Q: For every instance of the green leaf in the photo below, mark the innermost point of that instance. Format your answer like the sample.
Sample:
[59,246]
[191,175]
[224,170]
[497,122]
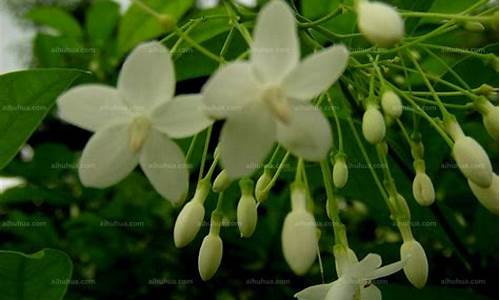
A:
[26,97]
[101,21]
[42,275]
[57,19]
[137,25]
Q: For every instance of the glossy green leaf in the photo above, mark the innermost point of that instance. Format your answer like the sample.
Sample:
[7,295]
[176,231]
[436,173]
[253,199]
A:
[137,25]
[42,275]
[26,97]
[101,21]
[57,19]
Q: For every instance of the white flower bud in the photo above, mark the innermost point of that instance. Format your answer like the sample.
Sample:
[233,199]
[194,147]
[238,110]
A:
[262,182]
[188,223]
[210,256]
[391,104]
[299,238]
[340,173]
[490,121]
[221,182]
[246,214]
[415,263]
[380,23]
[487,196]
[473,161]
[423,189]
[373,125]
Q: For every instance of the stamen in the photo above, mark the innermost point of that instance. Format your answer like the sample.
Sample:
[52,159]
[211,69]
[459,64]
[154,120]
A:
[138,130]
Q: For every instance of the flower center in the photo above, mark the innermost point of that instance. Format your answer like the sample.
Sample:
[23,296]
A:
[277,102]
[138,132]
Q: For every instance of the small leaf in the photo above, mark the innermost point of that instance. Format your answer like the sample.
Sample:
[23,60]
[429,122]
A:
[57,19]
[26,97]
[42,275]
[101,21]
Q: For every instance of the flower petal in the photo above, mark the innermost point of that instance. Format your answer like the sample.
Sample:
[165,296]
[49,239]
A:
[315,292]
[246,138]
[92,106]
[384,271]
[368,264]
[182,117]
[316,73]
[275,50]
[229,89]
[107,157]
[164,164]
[342,289]
[308,134]
[147,77]
[370,292]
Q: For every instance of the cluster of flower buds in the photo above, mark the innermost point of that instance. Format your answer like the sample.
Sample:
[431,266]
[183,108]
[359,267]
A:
[299,237]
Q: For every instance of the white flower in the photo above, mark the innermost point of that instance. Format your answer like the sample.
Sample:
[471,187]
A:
[210,256]
[380,23]
[355,281]
[373,125]
[416,266]
[134,122]
[487,196]
[267,98]
[299,238]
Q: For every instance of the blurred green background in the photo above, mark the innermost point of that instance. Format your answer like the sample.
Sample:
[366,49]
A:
[120,239]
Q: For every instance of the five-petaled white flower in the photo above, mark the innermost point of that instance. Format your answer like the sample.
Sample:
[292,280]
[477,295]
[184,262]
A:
[267,98]
[354,281]
[134,122]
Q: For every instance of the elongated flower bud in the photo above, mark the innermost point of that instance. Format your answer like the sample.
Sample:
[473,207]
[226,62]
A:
[490,121]
[247,215]
[391,104]
[373,125]
[487,196]
[299,239]
[473,161]
[190,218]
[210,256]
[260,193]
[415,263]
[221,182]
[340,172]
[188,223]
[423,189]
[380,23]
[473,26]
